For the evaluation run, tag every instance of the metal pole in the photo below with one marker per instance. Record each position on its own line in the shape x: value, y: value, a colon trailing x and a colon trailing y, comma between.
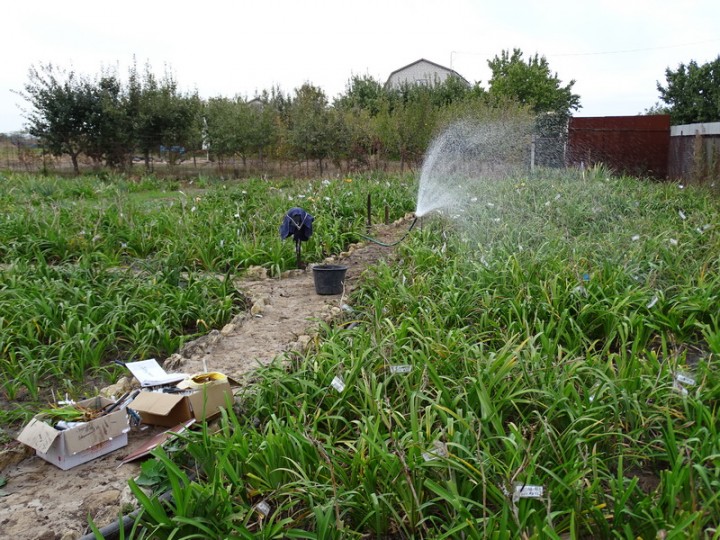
x: 369, y: 212
x: 532, y: 154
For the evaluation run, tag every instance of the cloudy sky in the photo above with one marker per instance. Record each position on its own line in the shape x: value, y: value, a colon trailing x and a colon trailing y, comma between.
x: 615, y: 50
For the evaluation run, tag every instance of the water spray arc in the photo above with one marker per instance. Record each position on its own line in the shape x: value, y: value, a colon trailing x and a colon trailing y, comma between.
x: 464, y: 165
x: 466, y: 162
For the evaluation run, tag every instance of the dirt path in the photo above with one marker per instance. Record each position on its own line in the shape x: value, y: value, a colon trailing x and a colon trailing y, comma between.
x: 41, y: 501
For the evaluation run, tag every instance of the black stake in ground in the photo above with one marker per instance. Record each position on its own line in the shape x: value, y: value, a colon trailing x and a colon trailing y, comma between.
x: 298, y: 224
x: 298, y: 261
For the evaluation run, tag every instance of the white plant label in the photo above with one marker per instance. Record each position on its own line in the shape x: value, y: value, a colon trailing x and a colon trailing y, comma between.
x: 680, y: 388
x: 263, y: 508
x: 401, y: 368
x: 439, y: 451
x: 682, y: 215
x: 684, y: 379
x: 652, y: 302
x: 338, y: 384
x: 580, y: 291
x: 524, y: 491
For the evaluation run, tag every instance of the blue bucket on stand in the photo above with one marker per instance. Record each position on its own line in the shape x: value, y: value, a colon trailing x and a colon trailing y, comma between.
x: 329, y: 278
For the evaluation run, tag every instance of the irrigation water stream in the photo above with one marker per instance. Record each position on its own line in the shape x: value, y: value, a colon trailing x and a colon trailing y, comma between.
x: 466, y: 160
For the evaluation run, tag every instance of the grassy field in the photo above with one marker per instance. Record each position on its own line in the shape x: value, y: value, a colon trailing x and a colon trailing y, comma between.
x: 101, y: 268
x: 545, y: 369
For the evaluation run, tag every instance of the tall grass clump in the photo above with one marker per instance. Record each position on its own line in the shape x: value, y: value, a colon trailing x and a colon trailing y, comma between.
x: 548, y: 371
x: 102, y: 268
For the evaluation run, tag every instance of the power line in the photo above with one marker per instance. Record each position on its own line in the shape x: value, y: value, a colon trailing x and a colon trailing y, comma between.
x: 599, y: 53
x: 637, y: 50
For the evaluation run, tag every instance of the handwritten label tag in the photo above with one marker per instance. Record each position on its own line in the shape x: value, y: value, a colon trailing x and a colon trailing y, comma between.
x: 684, y: 379
x: 263, y: 508
x: 680, y: 388
x: 439, y: 450
x: 401, y: 368
x: 338, y: 384
x: 524, y: 491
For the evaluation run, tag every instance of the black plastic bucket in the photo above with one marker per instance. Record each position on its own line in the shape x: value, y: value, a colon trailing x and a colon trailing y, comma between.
x: 329, y: 278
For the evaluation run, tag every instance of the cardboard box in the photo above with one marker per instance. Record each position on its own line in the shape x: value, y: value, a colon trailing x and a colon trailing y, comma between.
x: 80, y: 444
x: 171, y: 409
x: 158, y: 440
x: 67, y: 461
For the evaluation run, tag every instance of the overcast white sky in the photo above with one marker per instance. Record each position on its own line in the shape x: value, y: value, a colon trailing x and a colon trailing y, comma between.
x: 615, y: 50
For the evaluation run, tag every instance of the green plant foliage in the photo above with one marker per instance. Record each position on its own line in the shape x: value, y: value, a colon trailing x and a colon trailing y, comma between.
x: 691, y: 92
x: 96, y: 269
x: 543, y: 343
x: 531, y: 83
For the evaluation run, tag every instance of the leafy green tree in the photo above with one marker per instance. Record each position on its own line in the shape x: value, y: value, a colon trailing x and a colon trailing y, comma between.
x: 362, y: 93
x: 531, y: 83
x: 166, y: 117
x: 237, y: 128
x: 692, y: 92
x: 412, y: 125
x: 449, y: 91
x: 358, y: 136
x: 220, y: 133
x: 310, y: 126
x: 65, y: 109
x: 265, y: 132
x: 114, y: 139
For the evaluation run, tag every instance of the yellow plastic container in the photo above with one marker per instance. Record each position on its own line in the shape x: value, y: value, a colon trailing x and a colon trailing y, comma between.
x: 202, y: 379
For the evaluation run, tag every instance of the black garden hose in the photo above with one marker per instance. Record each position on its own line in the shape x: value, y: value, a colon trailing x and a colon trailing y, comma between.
x: 379, y: 243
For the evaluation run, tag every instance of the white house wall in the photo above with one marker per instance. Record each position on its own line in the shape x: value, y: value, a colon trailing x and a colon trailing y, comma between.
x: 421, y: 72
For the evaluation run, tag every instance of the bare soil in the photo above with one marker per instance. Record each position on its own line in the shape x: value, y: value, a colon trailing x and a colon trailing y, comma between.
x: 41, y: 501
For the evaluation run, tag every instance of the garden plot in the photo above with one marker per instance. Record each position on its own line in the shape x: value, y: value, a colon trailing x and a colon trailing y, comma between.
x: 41, y: 499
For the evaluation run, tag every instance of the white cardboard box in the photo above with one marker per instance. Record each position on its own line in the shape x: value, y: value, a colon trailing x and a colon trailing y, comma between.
x: 80, y: 444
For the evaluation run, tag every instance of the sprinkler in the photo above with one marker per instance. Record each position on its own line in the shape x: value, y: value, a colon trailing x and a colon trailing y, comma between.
x: 379, y: 243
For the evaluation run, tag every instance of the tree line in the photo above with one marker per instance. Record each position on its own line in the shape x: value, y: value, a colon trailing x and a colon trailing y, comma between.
x: 114, y: 122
